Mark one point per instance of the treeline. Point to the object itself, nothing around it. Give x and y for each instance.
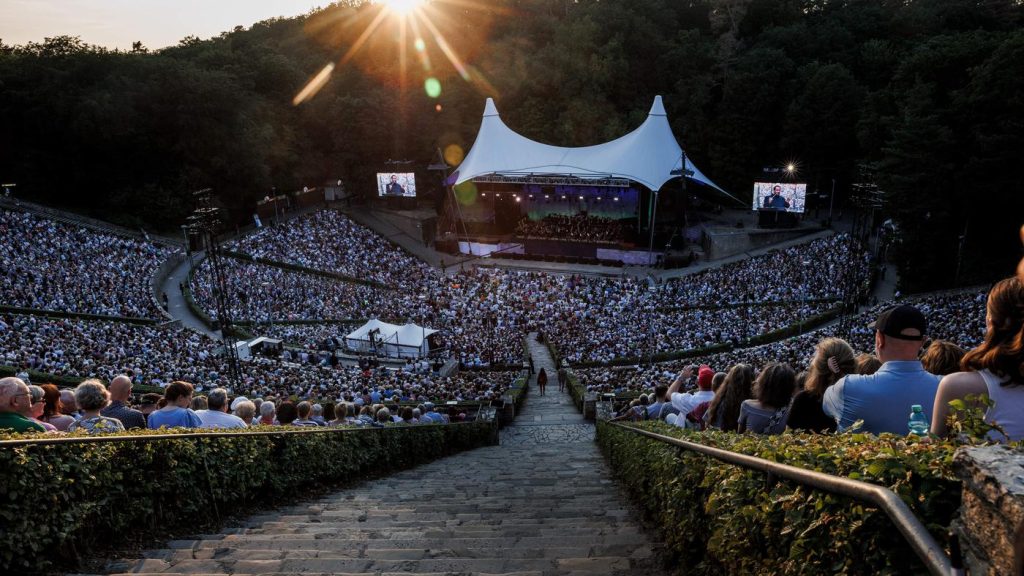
(922, 98)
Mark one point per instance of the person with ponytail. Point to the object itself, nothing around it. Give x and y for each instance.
(833, 359)
(995, 368)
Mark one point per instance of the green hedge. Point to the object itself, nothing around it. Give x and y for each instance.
(305, 270)
(78, 315)
(721, 519)
(64, 499)
(38, 377)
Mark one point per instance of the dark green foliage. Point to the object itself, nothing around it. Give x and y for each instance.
(720, 519)
(65, 501)
(925, 93)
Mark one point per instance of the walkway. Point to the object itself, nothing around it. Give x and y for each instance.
(542, 503)
(176, 305)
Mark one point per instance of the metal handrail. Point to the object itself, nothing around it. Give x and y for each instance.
(914, 532)
(101, 439)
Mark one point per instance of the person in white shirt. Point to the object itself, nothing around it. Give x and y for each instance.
(217, 415)
(685, 402)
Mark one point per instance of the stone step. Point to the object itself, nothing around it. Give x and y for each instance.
(591, 565)
(380, 551)
(385, 531)
(323, 542)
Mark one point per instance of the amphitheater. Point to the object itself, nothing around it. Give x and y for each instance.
(83, 298)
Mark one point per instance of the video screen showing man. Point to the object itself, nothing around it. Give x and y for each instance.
(784, 197)
(396, 184)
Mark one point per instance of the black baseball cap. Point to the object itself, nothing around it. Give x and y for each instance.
(902, 322)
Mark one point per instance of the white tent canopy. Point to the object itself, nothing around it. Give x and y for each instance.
(649, 155)
(408, 341)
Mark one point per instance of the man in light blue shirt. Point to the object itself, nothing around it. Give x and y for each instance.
(883, 399)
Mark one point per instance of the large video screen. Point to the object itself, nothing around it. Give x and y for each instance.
(396, 184)
(786, 196)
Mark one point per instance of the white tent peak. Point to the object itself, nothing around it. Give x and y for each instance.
(657, 109)
(490, 109)
(649, 155)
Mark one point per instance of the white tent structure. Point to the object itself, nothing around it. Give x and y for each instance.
(391, 340)
(649, 155)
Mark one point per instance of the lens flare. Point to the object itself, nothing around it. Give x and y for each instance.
(432, 87)
(453, 154)
(465, 193)
(402, 7)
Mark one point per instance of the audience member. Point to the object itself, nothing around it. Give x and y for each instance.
(176, 412)
(92, 397)
(724, 411)
(883, 400)
(994, 369)
(767, 412)
(216, 415)
(833, 359)
(38, 407)
(15, 402)
(52, 411)
(120, 392)
(942, 357)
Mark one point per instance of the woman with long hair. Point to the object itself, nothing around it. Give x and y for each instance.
(995, 368)
(766, 413)
(724, 411)
(833, 359)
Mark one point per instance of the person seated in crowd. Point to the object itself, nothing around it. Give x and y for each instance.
(661, 406)
(867, 364)
(685, 402)
(216, 416)
(92, 397)
(176, 411)
(304, 410)
(767, 412)
(995, 368)
(245, 410)
(287, 413)
(38, 407)
(883, 399)
(200, 403)
(724, 411)
(383, 417)
(149, 403)
(120, 391)
(268, 414)
(52, 410)
(15, 403)
(833, 359)
(68, 404)
(942, 357)
(635, 410)
(317, 414)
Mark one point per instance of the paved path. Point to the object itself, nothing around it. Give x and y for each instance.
(176, 305)
(542, 503)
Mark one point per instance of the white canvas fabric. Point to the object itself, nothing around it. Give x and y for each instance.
(648, 155)
(394, 340)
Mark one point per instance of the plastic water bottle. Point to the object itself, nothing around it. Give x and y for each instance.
(918, 423)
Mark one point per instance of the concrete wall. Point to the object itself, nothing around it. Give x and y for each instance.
(719, 244)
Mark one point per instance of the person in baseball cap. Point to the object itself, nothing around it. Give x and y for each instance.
(883, 400)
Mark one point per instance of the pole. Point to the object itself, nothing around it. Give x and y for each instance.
(654, 213)
(831, 201)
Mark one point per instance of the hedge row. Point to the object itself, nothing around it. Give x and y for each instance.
(38, 377)
(78, 315)
(721, 519)
(65, 501)
(305, 270)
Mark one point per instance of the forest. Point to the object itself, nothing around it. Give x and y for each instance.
(922, 98)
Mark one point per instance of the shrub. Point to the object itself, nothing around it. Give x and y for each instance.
(721, 519)
(64, 498)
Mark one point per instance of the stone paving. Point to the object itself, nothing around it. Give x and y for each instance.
(542, 503)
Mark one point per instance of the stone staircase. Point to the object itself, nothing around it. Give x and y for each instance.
(541, 503)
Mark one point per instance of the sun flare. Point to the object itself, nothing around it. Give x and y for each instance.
(401, 7)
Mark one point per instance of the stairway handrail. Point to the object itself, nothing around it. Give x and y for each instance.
(913, 531)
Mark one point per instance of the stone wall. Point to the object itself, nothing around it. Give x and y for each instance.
(991, 523)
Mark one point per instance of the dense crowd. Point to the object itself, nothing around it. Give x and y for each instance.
(580, 227)
(328, 240)
(157, 356)
(50, 265)
(826, 268)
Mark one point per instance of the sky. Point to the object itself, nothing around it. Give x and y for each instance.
(119, 23)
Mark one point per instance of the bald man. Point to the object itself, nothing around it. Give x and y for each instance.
(15, 401)
(120, 391)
